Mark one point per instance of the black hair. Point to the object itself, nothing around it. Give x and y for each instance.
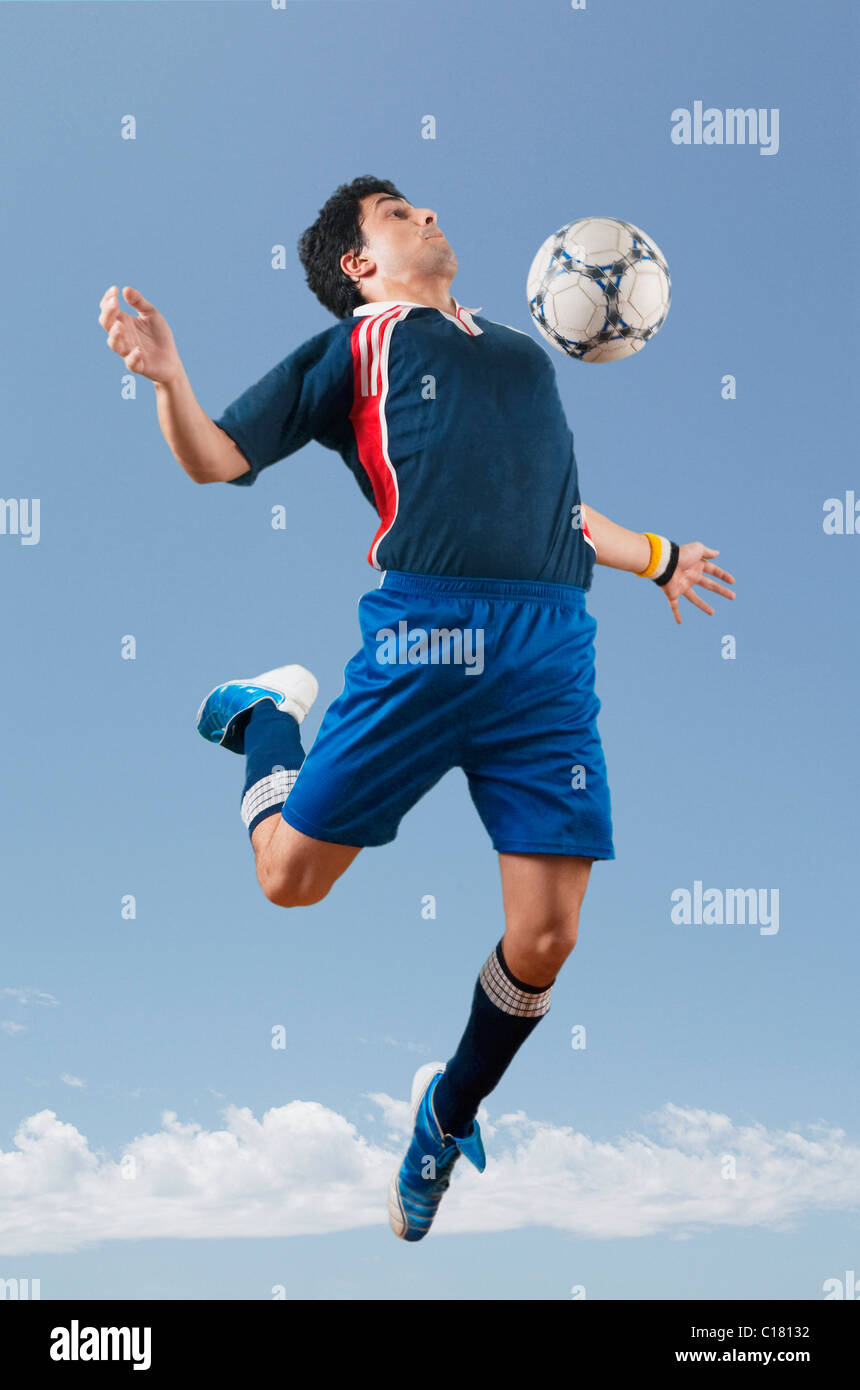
(336, 232)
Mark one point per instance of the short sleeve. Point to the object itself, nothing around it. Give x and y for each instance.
(306, 396)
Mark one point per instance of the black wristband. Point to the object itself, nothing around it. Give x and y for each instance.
(671, 566)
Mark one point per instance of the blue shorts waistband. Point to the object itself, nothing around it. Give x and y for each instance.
(515, 590)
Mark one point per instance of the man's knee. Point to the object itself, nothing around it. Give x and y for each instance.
(554, 937)
(547, 938)
(293, 889)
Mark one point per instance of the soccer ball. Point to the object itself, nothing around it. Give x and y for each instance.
(598, 289)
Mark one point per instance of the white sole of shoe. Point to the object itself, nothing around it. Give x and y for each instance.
(298, 686)
(420, 1081)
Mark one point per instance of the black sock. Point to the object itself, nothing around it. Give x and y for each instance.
(504, 1012)
(273, 756)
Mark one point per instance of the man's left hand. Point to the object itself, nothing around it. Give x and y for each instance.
(694, 564)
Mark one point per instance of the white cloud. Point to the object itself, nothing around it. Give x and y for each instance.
(25, 994)
(9, 1026)
(395, 1113)
(71, 1080)
(303, 1169)
(409, 1046)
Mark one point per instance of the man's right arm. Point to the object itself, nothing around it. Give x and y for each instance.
(204, 450)
(147, 347)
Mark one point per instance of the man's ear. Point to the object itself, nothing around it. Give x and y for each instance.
(356, 266)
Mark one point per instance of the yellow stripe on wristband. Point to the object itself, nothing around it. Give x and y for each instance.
(656, 549)
(661, 553)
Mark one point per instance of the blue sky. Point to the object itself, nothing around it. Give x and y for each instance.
(701, 1041)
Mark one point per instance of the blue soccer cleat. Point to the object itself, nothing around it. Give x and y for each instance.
(424, 1176)
(224, 713)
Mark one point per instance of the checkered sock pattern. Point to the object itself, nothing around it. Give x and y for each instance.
(504, 1012)
(273, 756)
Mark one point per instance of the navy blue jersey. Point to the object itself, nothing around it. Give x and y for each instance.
(454, 429)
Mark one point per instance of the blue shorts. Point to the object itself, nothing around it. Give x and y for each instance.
(492, 676)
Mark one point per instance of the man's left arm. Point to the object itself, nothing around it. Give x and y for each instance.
(675, 568)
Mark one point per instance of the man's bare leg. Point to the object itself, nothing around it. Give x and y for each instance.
(542, 895)
(293, 869)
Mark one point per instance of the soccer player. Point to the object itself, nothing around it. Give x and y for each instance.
(477, 647)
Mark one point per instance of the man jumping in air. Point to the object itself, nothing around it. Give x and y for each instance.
(477, 648)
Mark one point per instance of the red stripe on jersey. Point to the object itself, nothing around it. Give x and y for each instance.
(369, 345)
(465, 325)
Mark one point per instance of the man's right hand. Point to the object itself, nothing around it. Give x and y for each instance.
(145, 342)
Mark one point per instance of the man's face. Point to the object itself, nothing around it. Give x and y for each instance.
(402, 241)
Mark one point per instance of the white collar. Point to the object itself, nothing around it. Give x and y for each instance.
(380, 307)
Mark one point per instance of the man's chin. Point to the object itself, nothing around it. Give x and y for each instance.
(445, 258)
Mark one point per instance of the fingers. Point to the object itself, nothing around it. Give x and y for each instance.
(116, 337)
(683, 584)
(715, 588)
(131, 356)
(721, 574)
(109, 307)
(120, 330)
(694, 598)
(143, 306)
(116, 322)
